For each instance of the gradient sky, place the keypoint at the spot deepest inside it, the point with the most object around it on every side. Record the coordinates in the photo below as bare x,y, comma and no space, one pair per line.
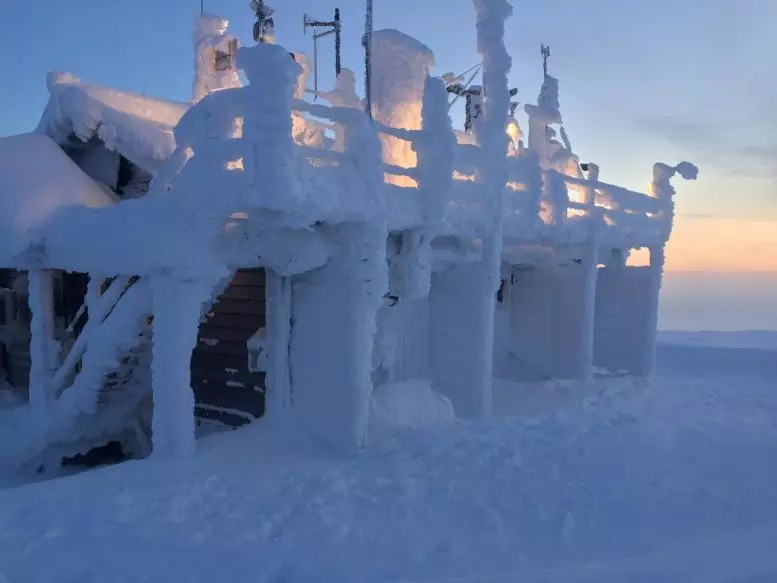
641,81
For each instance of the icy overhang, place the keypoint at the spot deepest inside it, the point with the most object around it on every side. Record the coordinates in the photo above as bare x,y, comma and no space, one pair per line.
138,127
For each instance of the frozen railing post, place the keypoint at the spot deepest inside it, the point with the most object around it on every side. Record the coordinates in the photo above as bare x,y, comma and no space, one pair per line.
589,192
332,372
271,182
463,299
435,150
177,306
662,189
269,161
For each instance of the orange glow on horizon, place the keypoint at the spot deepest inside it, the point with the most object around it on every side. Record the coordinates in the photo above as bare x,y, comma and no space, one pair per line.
721,244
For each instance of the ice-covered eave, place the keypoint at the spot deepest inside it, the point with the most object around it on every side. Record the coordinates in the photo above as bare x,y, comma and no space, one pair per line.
138,127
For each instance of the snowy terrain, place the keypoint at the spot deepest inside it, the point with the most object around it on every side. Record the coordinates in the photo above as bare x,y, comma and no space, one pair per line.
675,482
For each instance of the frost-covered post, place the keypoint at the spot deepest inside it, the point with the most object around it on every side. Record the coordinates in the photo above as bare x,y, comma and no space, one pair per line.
589,192
278,381
214,65
271,182
343,95
42,342
463,300
435,150
491,18
590,275
269,161
177,306
332,371
662,189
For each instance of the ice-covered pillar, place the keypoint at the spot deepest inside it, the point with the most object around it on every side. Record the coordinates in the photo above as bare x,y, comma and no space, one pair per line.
435,149
279,304
400,65
590,264
469,316
214,56
491,18
42,342
177,307
270,162
335,310
662,189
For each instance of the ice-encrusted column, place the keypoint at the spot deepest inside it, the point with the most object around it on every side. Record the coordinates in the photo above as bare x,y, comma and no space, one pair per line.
435,149
210,40
335,309
177,306
661,188
279,318
463,300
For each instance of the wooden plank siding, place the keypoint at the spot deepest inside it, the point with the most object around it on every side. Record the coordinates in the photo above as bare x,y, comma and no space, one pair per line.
224,389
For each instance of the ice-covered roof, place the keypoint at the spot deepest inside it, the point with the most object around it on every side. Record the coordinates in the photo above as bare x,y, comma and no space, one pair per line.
138,127
38,181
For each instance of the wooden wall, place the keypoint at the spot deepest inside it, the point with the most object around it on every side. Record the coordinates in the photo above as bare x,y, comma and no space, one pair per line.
220,378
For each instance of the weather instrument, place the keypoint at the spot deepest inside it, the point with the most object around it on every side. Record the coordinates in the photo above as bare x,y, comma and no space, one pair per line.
264,25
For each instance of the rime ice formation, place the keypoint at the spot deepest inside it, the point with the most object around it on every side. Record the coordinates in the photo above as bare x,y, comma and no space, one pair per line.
212,52
433,260
401,65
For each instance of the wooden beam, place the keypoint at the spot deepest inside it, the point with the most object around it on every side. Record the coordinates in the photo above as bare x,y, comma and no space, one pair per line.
97,314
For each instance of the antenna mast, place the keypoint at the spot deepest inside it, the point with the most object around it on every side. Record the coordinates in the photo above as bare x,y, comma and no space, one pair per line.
367,42
545,52
331,27
264,24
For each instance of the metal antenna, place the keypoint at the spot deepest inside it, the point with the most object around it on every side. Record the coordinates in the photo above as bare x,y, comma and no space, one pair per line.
367,42
545,52
202,7
468,93
331,27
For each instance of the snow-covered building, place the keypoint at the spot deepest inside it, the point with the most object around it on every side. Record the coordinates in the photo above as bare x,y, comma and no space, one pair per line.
302,260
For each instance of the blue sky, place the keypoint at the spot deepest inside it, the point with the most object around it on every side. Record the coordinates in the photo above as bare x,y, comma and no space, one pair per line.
641,81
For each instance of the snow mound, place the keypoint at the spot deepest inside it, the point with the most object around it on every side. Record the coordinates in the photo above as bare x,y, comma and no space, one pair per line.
412,404
37,181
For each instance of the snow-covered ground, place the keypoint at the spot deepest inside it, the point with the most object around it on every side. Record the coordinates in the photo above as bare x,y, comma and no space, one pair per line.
674,482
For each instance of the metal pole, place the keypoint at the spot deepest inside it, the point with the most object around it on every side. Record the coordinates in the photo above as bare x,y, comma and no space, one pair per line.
315,66
368,60
338,29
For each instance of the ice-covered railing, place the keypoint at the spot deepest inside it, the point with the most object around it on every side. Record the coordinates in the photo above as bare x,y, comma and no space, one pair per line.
632,219
416,193
431,184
